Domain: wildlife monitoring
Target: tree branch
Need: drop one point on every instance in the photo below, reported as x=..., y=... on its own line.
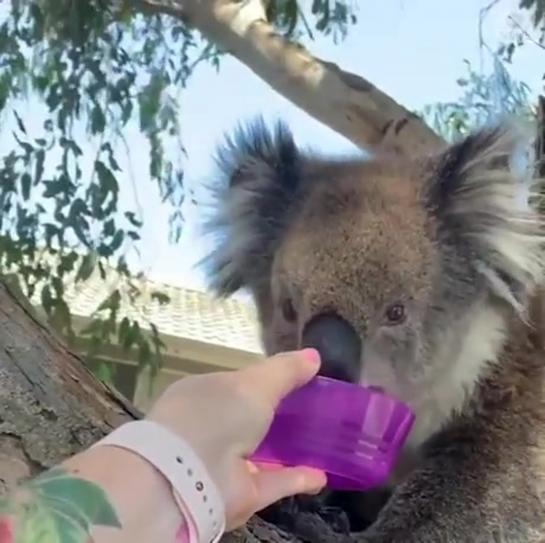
x=525, y=32
x=347, y=103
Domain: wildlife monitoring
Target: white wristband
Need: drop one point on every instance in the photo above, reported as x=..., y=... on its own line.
x=194, y=490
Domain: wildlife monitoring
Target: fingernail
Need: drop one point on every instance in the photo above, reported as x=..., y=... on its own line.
x=312, y=355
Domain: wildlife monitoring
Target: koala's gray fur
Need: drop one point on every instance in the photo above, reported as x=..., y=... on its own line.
x=447, y=237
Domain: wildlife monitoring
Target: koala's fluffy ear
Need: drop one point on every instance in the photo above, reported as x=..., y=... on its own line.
x=260, y=172
x=478, y=199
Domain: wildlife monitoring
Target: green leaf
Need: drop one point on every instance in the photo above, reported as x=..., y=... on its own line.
x=87, y=267
x=107, y=148
x=67, y=263
x=51, y=231
x=71, y=145
x=98, y=120
x=161, y=297
x=47, y=299
x=20, y=123
x=132, y=336
x=61, y=317
x=156, y=339
x=108, y=182
x=76, y=220
x=111, y=302
x=105, y=373
x=124, y=330
x=26, y=183
x=144, y=353
x=109, y=228
x=40, y=159
x=53, y=188
x=108, y=250
x=291, y=14
x=150, y=100
x=132, y=219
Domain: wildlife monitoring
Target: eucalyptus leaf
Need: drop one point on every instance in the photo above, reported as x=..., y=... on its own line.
x=87, y=267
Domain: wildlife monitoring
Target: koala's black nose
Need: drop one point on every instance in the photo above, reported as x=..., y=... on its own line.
x=338, y=344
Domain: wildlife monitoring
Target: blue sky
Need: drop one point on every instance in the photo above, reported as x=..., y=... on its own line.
x=411, y=49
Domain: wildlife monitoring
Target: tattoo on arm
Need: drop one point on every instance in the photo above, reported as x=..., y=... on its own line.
x=56, y=506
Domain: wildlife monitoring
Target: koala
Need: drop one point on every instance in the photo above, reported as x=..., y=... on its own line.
x=420, y=276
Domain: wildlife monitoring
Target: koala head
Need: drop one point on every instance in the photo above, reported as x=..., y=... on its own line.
x=402, y=272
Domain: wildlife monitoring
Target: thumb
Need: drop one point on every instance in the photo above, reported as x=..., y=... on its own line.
x=273, y=485
x=279, y=375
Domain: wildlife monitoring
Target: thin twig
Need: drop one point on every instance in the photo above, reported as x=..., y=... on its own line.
x=483, y=13
x=525, y=33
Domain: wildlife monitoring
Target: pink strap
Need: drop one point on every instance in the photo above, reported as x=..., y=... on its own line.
x=183, y=535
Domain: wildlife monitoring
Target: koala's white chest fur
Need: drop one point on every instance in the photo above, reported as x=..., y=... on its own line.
x=462, y=362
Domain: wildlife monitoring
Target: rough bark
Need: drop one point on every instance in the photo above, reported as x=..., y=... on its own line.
x=51, y=406
x=347, y=103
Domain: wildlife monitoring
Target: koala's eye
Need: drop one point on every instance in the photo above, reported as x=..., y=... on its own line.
x=395, y=314
x=288, y=311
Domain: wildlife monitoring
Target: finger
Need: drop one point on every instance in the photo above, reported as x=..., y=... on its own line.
x=266, y=466
x=275, y=485
x=280, y=374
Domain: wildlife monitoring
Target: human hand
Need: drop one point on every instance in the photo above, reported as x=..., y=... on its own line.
x=224, y=416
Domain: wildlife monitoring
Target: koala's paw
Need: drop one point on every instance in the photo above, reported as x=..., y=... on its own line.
x=336, y=518
x=300, y=515
x=313, y=528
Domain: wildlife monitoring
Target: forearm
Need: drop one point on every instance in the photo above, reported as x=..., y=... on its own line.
x=105, y=495
x=140, y=495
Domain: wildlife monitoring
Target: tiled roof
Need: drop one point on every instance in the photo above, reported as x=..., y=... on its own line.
x=190, y=314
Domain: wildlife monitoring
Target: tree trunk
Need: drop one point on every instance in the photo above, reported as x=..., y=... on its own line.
x=51, y=406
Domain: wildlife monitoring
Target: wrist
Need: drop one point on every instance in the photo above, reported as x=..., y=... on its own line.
x=138, y=492
x=194, y=491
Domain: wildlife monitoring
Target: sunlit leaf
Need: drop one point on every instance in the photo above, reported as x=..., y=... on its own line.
x=111, y=302
x=161, y=297
x=87, y=267
x=26, y=184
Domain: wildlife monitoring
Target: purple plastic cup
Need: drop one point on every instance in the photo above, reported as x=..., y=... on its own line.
x=352, y=433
